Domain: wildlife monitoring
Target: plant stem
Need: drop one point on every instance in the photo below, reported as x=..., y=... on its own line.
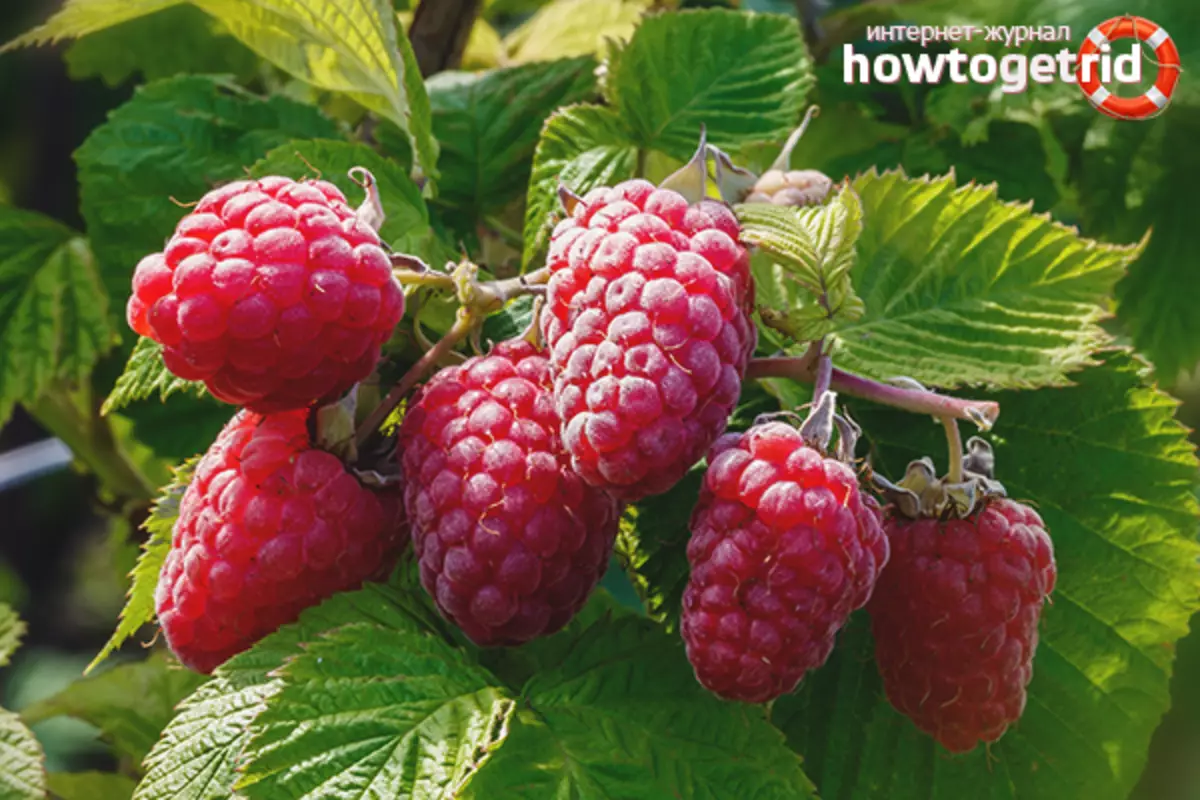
x=462, y=326
x=823, y=376
x=803, y=368
x=955, y=446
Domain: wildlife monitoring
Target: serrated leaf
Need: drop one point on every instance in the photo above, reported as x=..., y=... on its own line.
x=513, y=320
x=1114, y=477
x=621, y=715
x=170, y=42
x=743, y=77
x=22, y=774
x=567, y=28
x=812, y=249
x=346, y=46
x=581, y=147
x=962, y=289
x=175, y=138
x=139, y=605
x=81, y=17
x=376, y=711
x=54, y=321
x=198, y=753
x=12, y=630
x=488, y=126
x=90, y=786
x=146, y=376
x=130, y=703
x=406, y=223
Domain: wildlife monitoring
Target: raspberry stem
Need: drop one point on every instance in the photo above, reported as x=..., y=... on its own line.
x=804, y=368
x=955, y=446
x=463, y=324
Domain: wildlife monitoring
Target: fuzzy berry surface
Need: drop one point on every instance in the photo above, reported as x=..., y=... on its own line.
x=267, y=527
x=784, y=547
x=647, y=323
x=271, y=292
x=955, y=618
x=511, y=541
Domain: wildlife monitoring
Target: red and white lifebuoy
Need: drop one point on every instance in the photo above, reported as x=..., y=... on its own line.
x=1157, y=96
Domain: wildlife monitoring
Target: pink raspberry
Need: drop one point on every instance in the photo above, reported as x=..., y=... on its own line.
x=784, y=546
x=271, y=292
x=511, y=541
x=648, y=326
x=267, y=527
x=955, y=618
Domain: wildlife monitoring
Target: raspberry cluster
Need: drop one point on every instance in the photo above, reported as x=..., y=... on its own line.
x=267, y=526
x=647, y=321
x=955, y=619
x=271, y=292
x=784, y=546
x=511, y=541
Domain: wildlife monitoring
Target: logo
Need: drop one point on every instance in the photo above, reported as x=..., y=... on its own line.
x=1091, y=80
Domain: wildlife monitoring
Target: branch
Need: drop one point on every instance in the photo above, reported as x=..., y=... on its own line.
x=439, y=33
x=981, y=412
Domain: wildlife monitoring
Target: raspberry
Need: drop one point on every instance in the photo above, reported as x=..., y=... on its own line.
x=510, y=540
x=955, y=618
x=267, y=527
x=784, y=546
x=648, y=326
x=271, y=292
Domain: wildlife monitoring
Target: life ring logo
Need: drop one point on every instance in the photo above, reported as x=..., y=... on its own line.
x=1094, y=51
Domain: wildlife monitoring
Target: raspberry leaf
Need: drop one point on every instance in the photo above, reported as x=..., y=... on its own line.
x=175, y=138
x=805, y=290
x=375, y=710
x=12, y=629
x=620, y=715
x=54, y=321
x=22, y=774
x=582, y=147
x=488, y=126
x=1114, y=477
x=90, y=786
x=81, y=17
x=961, y=288
x=683, y=71
x=130, y=704
x=146, y=376
x=565, y=28
x=139, y=605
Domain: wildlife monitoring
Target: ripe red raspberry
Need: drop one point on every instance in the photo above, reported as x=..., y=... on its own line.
x=955, y=618
x=267, y=527
x=511, y=541
x=784, y=546
x=648, y=326
x=271, y=292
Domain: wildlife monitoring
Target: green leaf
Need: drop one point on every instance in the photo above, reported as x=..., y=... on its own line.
x=488, y=126
x=54, y=320
x=743, y=77
x=962, y=289
x=177, y=40
x=90, y=786
x=12, y=630
x=581, y=147
x=175, y=139
x=621, y=715
x=146, y=376
x=130, y=703
x=139, y=605
x=1158, y=296
x=198, y=753
x=511, y=321
x=346, y=46
x=379, y=711
x=566, y=28
x=22, y=774
x=81, y=17
x=813, y=249
x=1114, y=477
x=406, y=224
